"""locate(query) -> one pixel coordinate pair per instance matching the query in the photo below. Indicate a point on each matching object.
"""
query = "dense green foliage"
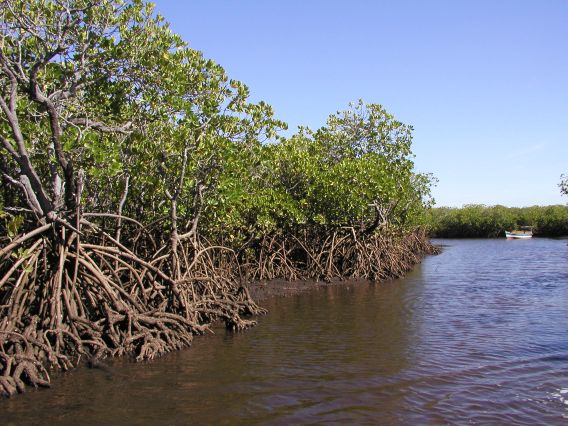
(479, 221)
(355, 172)
(134, 106)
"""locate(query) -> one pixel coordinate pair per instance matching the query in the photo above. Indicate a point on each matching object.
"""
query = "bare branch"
(13, 181)
(8, 146)
(105, 128)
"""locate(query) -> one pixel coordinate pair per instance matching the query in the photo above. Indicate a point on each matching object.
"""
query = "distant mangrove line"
(480, 221)
(141, 190)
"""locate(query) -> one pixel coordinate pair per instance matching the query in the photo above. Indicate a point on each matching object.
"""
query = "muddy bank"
(392, 258)
(266, 290)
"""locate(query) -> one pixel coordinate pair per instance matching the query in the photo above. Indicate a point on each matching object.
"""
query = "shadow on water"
(475, 335)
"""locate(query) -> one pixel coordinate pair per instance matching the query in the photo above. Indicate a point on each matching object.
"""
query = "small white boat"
(524, 232)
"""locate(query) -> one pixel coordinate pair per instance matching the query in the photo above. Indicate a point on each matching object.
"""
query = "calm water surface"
(476, 335)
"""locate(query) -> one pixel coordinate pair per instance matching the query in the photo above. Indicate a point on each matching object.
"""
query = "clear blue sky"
(483, 82)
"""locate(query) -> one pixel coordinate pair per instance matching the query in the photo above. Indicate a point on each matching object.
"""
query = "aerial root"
(67, 297)
(345, 253)
(64, 299)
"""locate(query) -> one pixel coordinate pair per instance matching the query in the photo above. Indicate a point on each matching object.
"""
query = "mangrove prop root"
(344, 254)
(65, 297)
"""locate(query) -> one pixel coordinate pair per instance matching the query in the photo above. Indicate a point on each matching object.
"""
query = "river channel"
(475, 335)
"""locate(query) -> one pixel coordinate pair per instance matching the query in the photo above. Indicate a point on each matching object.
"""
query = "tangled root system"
(345, 253)
(65, 295)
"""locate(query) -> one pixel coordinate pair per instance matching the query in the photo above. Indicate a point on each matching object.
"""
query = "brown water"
(476, 335)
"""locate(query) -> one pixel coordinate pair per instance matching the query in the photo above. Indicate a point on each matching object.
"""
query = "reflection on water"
(475, 335)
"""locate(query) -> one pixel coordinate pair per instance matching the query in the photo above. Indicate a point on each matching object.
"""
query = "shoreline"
(263, 291)
(376, 260)
(267, 290)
